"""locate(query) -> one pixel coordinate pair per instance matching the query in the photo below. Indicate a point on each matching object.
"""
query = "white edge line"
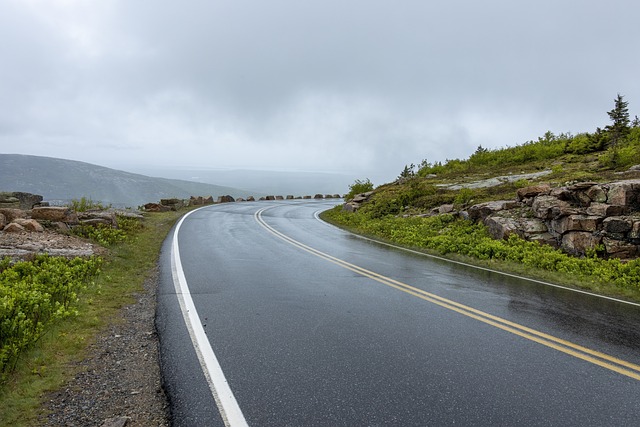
(220, 390)
(540, 282)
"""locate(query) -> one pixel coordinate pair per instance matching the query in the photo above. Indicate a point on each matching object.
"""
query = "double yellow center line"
(604, 360)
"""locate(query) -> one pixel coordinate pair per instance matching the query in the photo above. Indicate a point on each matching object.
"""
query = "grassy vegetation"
(52, 360)
(86, 203)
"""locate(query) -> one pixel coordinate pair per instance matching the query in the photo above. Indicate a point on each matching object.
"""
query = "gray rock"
(13, 227)
(481, 211)
(225, 199)
(534, 226)
(596, 194)
(617, 224)
(54, 214)
(625, 193)
(603, 209)
(578, 242)
(10, 214)
(445, 209)
(549, 207)
(30, 225)
(619, 249)
(99, 217)
(501, 228)
(575, 223)
(532, 191)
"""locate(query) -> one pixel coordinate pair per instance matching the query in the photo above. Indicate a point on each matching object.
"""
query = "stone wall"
(578, 218)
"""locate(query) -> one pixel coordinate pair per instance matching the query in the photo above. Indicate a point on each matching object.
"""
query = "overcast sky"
(358, 86)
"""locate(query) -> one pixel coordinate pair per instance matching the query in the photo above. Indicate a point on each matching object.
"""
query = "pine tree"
(620, 118)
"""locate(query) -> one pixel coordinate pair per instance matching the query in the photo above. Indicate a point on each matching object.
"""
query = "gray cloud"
(361, 86)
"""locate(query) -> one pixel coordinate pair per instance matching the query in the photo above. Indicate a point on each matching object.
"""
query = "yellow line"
(559, 344)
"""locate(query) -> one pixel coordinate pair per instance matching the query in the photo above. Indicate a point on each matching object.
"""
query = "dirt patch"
(119, 382)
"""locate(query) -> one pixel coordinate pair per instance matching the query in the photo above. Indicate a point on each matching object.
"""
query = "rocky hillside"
(64, 180)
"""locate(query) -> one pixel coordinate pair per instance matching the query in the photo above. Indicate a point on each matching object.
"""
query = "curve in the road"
(598, 358)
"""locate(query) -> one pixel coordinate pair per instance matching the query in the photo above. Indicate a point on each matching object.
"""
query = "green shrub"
(106, 235)
(359, 187)
(85, 204)
(35, 294)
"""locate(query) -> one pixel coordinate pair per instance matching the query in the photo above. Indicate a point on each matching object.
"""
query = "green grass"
(53, 360)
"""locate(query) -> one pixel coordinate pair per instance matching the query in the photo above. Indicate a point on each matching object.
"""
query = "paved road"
(298, 323)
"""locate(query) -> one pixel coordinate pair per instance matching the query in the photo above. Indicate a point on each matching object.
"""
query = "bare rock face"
(596, 194)
(30, 225)
(625, 193)
(13, 227)
(603, 209)
(290, 197)
(620, 249)
(19, 200)
(577, 217)
(3, 221)
(481, 211)
(532, 191)
(279, 198)
(534, 226)
(502, 227)
(549, 207)
(617, 224)
(357, 201)
(54, 214)
(98, 217)
(318, 196)
(575, 223)
(579, 242)
(635, 231)
(11, 214)
(251, 199)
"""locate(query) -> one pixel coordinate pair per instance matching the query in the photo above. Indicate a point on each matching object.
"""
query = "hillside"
(564, 208)
(59, 179)
(608, 154)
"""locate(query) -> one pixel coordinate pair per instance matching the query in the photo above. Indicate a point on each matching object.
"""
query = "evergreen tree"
(408, 172)
(620, 118)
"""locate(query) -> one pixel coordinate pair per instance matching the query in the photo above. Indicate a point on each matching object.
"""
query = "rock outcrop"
(19, 200)
(357, 201)
(578, 218)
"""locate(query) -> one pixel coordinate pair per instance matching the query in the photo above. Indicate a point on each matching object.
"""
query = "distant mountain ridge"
(60, 179)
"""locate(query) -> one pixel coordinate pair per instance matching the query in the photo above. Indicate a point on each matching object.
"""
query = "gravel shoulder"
(119, 382)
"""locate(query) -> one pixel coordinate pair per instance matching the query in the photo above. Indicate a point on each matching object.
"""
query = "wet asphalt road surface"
(313, 326)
